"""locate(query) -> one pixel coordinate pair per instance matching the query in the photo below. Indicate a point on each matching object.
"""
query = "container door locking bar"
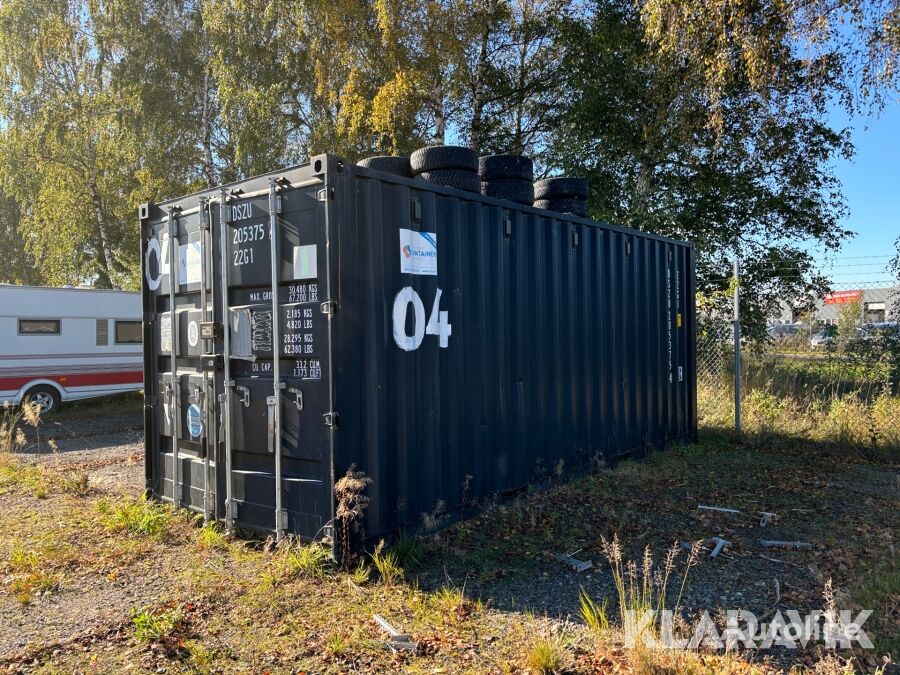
(230, 504)
(274, 402)
(173, 344)
(205, 217)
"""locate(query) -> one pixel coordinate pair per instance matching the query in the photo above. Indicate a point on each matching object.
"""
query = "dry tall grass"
(846, 421)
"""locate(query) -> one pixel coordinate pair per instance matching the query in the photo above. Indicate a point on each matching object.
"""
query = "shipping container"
(453, 347)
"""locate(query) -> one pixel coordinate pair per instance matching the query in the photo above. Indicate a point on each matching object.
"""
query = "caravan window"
(128, 332)
(38, 326)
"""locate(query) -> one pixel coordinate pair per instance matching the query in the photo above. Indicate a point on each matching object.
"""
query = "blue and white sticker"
(418, 252)
(194, 421)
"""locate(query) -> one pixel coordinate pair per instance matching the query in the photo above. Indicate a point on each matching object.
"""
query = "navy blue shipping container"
(451, 346)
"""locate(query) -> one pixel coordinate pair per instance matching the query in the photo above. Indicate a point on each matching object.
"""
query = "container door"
(179, 391)
(275, 354)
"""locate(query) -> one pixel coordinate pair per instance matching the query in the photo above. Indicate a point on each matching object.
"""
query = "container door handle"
(298, 397)
(169, 405)
(271, 403)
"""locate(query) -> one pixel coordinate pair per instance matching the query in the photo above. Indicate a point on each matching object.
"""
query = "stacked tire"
(564, 195)
(507, 177)
(452, 166)
(389, 164)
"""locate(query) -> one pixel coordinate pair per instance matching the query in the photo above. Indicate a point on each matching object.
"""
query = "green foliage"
(387, 564)
(547, 656)
(212, 538)
(637, 125)
(849, 319)
(156, 625)
(136, 516)
(298, 559)
(96, 118)
(361, 573)
(594, 615)
(336, 645)
(408, 551)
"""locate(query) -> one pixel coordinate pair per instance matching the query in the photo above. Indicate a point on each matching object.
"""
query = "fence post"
(737, 352)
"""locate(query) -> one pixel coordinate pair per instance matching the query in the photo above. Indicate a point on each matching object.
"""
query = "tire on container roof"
(573, 205)
(453, 178)
(514, 189)
(435, 157)
(389, 164)
(553, 188)
(491, 167)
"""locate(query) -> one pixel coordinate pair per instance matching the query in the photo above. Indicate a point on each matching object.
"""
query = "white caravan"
(65, 344)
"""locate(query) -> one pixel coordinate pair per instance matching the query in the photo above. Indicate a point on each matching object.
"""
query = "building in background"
(877, 304)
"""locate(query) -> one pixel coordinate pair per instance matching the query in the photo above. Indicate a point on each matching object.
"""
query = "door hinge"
(324, 194)
(331, 419)
(329, 308)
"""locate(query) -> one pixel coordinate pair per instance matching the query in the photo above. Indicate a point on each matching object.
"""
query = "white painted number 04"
(438, 322)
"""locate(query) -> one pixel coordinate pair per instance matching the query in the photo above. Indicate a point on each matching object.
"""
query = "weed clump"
(298, 559)
(351, 507)
(547, 656)
(28, 576)
(644, 589)
(594, 615)
(157, 625)
(135, 516)
(211, 538)
(387, 564)
(361, 573)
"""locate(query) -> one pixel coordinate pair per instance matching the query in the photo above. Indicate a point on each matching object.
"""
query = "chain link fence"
(828, 372)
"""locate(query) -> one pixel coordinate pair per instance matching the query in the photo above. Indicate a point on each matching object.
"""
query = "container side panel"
(482, 348)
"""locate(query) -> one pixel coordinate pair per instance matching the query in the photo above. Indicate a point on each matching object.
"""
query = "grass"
(361, 573)
(879, 590)
(102, 406)
(336, 645)
(290, 607)
(547, 656)
(156, 625)
(299, 559)
(30, 575)
(139, 516)
(594, 615)
(211, 537)
(387, 563)
(848, 423)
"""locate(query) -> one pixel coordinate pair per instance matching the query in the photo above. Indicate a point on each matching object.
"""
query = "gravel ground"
(112, 458)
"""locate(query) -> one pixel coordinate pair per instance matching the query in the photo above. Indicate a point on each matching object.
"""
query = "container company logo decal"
(418, 252)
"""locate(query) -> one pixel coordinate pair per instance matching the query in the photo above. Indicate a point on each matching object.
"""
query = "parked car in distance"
(823, 338)
(783, 331)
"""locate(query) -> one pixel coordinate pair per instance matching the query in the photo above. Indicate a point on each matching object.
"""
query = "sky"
(871, 187)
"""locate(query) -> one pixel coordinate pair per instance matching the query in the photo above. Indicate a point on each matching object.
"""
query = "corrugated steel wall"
(565, 335)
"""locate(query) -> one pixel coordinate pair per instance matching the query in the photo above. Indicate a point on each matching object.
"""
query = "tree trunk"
(440, 121)
(520, 97)
(106, 258)
(478, 88)
(208, 168)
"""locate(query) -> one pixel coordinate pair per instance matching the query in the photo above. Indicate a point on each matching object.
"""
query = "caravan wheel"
(45, 396)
